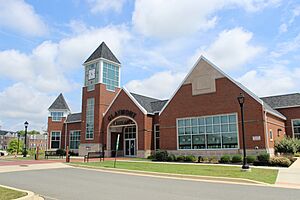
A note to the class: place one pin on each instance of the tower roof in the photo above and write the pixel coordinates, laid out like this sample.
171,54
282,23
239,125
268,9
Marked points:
103,52
59,104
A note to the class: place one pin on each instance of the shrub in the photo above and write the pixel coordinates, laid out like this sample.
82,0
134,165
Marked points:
151,157
171,158
287,145
225,159
205,159
250,159
60,152
262,159
213,159
180,158
190,158
280,161
236,158
297,154
161,156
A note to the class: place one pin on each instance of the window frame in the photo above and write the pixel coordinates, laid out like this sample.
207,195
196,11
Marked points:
271,135
105,70
71,132
59,143
54,119
87,120
293,130
155,137
206,116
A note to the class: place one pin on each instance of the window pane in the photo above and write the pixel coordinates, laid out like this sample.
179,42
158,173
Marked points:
224,119
194,122
217,129
201,121
216,120
232,127
198,142
185,142
195,130
201,129
224,127
208,120
180,123
181,131
229,140
296,122
208,129
187,122
232,118
213,141
188,130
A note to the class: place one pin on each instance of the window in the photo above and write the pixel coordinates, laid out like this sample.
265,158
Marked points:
130,132
110,76
296,128
271,135
74,139
156,137
210,132
89,133
55,140
57,116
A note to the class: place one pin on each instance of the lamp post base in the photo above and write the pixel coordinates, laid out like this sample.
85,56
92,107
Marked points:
246,168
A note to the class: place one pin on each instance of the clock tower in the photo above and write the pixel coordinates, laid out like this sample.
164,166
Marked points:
101,84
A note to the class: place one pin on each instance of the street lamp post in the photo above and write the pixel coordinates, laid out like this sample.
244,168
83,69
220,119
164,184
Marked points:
25,142
241,100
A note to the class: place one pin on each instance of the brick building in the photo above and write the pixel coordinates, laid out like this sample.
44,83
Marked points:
201,118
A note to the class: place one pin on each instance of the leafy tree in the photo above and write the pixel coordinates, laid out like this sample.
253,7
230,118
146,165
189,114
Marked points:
33,132
13,146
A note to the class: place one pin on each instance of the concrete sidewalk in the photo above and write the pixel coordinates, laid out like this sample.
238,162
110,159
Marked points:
289,177
14,168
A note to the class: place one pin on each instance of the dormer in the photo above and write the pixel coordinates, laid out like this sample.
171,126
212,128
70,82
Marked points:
59,109
102,67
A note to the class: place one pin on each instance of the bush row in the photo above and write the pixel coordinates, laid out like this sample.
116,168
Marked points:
262,159
287,146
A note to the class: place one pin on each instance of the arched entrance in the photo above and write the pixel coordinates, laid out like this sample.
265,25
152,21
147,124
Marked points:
128,130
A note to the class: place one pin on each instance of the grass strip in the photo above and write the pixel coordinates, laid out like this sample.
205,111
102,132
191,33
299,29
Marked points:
256,174
8,194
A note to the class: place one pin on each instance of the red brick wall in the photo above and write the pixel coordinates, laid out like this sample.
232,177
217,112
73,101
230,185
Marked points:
274,124
223,101
103,98
290,113
56,126
144,122
73,127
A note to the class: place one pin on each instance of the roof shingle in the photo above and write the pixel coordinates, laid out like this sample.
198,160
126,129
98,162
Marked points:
103,52
151,105
59,104
75,117
283,101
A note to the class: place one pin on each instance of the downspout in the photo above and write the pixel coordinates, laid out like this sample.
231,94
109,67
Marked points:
66,132
266,134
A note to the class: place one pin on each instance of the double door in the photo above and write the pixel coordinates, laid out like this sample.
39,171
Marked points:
130,147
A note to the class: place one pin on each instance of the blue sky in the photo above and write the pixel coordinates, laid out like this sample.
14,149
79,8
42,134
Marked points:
44,43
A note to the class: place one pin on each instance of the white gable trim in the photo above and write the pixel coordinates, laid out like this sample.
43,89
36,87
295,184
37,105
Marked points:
219,70
131,98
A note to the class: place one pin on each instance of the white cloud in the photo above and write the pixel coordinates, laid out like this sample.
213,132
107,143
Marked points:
21,17
231,49
283,28
98,6
175,18
43,72
286,47
160,85
276,79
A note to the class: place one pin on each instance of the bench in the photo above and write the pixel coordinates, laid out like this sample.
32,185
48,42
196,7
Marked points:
97,154
52,153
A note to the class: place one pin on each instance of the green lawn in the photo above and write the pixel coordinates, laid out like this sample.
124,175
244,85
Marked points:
7,194
256,174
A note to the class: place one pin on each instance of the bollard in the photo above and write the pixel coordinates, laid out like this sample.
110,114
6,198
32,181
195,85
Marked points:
67,154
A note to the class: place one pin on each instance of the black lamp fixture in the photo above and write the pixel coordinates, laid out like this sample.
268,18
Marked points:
241,100
25,142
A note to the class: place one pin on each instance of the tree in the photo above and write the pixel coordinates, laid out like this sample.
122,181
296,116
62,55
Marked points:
33,132
13,146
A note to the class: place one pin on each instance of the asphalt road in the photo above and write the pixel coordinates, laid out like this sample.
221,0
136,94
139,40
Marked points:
73,183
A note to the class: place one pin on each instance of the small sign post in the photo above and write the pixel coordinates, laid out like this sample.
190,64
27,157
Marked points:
117,147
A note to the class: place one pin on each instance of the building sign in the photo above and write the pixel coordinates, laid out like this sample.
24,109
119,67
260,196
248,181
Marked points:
256,138
121,113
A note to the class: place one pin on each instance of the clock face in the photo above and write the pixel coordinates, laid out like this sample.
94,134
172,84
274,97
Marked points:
92,74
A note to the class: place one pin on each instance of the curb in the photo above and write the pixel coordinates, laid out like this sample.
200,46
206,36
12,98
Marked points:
30,195
174,176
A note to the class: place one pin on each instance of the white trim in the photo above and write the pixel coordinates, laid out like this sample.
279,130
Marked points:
206,149
70,138
55,140
292,122
135,101
282,107
275,114
73,122
224,74
112,102
108,133
271,131
154,133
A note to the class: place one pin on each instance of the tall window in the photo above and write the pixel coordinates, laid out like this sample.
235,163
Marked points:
209,132
74,139
156,136
296,127
55,140
57,116
271,135
89,133
110,76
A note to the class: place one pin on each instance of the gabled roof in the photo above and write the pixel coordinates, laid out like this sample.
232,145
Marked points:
265,106
75,117
283,101
3,132
103,52
151,105
59,104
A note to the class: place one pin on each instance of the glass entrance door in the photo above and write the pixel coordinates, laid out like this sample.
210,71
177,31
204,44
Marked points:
130,147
